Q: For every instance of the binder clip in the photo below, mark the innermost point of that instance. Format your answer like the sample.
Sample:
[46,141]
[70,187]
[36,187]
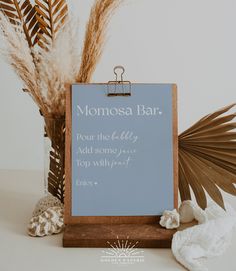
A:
[119,87]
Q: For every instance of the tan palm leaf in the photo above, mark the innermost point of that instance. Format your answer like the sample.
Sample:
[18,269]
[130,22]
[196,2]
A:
[51,16]
[207,158]
[22,13]
[55,130]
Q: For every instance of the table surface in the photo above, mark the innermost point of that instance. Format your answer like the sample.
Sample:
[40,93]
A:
[19,192]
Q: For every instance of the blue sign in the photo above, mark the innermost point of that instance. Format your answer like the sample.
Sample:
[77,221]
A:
[122,151]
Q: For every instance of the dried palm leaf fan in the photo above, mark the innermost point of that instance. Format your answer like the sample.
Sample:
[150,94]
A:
[207,158]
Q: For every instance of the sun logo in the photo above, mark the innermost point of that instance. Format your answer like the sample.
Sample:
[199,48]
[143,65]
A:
[122,252]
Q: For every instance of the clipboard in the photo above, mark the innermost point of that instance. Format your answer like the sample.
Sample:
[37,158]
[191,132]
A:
[91,221]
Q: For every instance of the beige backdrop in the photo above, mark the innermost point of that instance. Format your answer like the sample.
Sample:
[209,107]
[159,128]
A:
[188,42]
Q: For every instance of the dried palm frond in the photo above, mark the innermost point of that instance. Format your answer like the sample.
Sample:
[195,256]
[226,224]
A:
[22,14]
[51,16]
[94,37]
[207,158]
[55,129]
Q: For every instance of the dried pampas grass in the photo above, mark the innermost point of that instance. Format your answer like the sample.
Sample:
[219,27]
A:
[41,46]
[20,56]
[94,38]
[57,68]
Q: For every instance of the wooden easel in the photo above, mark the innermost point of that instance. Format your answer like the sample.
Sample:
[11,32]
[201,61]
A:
[97,231]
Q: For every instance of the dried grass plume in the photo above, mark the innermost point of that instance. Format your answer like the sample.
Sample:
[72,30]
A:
[95,37]
[41,46]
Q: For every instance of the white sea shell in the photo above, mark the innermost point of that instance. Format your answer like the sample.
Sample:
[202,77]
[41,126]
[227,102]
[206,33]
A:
[189,211]
[186,212]
[47,217]
[46,202]
[170,219]
[49,222]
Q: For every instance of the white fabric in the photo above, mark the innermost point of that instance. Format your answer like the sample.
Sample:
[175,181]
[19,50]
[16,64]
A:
[208,239]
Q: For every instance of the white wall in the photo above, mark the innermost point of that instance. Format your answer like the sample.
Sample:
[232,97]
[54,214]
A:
[189,42]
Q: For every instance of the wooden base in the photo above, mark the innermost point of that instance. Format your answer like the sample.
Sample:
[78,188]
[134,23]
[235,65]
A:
[100,235]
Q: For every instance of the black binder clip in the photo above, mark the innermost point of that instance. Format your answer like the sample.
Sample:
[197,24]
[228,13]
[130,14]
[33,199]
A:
[119,87]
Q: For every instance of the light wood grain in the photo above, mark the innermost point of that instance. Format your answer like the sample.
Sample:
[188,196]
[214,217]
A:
[98,235]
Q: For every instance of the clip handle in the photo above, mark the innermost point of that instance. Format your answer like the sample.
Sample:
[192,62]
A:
[115,70]
[119,82]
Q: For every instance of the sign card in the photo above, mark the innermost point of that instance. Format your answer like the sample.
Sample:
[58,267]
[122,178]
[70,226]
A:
[122,151]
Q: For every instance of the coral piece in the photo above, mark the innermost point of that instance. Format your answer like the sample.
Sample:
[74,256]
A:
[170,219]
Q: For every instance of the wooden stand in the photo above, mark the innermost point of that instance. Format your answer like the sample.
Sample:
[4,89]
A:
[98,231]
[100,235]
